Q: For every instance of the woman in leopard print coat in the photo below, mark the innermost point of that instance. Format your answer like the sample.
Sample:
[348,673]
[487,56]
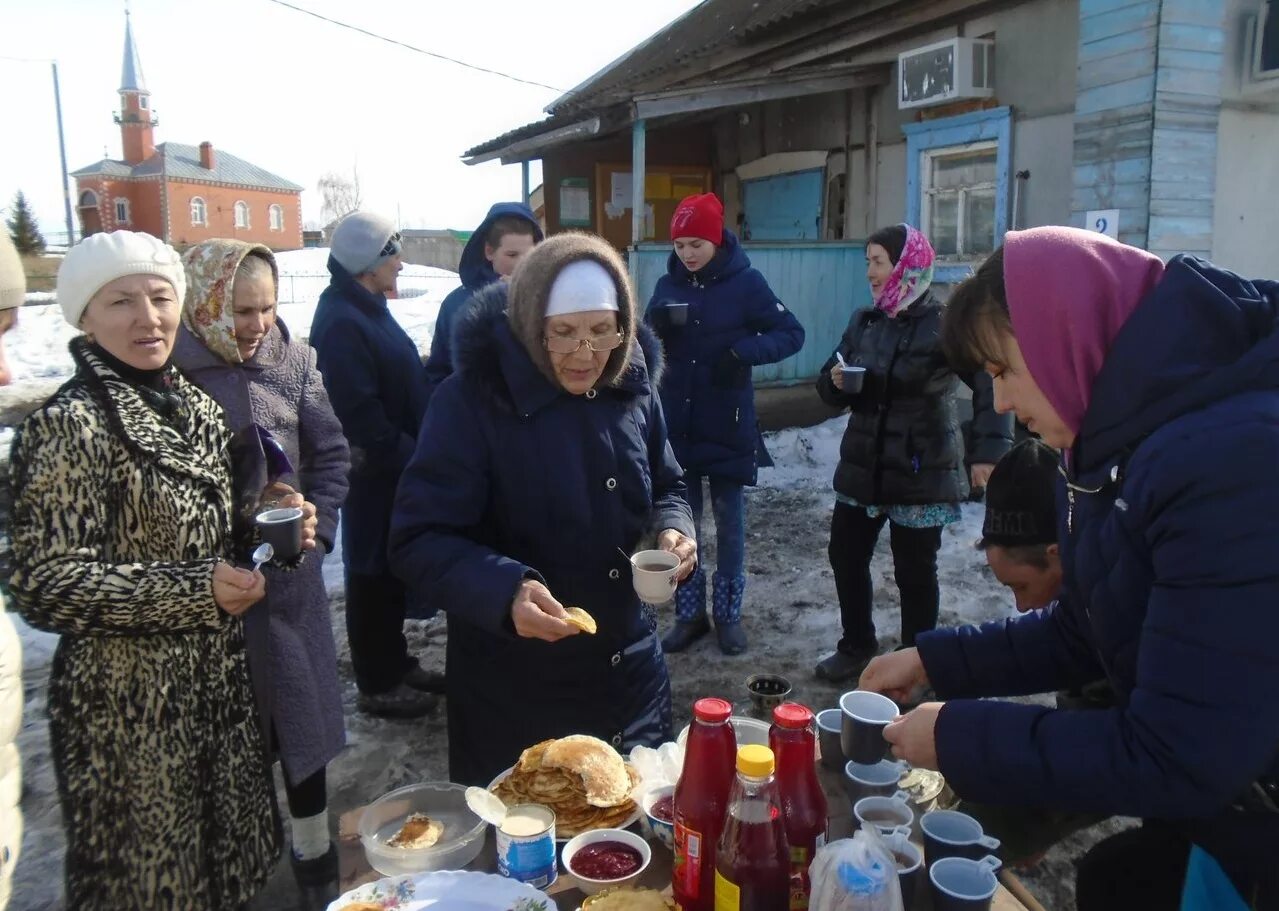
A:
[121,524]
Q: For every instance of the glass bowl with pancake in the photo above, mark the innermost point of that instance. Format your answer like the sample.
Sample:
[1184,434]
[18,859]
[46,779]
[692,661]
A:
[420,828]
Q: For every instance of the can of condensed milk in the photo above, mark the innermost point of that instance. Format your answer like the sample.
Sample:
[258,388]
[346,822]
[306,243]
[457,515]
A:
[526,845]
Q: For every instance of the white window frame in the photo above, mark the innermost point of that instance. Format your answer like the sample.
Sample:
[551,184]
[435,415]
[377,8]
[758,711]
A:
[275,217]
[927,193]
[142,102]
[241,206]
[121,203]
[199,211]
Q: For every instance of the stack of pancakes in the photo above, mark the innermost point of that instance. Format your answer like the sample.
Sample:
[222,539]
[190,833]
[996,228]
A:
[581,778]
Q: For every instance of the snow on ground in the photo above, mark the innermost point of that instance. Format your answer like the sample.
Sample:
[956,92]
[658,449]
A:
[37,347]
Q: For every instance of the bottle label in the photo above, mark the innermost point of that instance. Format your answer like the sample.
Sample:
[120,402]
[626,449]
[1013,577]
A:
[800,887]
[687,869]
[728,896]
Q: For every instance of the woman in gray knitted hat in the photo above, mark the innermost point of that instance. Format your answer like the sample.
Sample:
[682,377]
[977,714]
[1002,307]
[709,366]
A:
[540,462]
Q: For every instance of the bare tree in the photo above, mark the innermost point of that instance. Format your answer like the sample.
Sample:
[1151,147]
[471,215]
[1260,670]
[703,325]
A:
[340,195]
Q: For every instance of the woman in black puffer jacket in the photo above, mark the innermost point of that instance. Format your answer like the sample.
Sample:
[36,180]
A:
[902,457]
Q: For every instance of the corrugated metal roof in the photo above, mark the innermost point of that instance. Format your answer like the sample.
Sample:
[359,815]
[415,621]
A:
[527,131]
[178,161]
[182,162]
[107,167]
[707,28]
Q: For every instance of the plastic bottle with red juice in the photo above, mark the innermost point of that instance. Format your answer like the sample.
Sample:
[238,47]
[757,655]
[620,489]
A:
[752,863]
[701,802]
[793,740]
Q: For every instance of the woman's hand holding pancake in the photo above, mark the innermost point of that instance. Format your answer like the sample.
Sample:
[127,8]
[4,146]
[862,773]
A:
[537,615]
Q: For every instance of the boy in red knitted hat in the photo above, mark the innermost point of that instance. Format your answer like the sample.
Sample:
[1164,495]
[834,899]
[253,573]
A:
[717,319]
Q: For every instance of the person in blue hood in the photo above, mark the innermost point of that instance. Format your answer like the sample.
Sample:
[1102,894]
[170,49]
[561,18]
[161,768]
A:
[505,237]
[541,458]
[373,375]
[717,319]
[1161,383]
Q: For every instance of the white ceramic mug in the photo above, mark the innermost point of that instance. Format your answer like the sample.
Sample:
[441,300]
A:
[653,575]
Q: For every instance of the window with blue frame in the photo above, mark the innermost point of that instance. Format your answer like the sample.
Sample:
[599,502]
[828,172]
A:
[958,174]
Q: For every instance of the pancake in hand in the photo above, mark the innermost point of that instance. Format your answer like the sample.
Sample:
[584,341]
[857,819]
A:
[581,619]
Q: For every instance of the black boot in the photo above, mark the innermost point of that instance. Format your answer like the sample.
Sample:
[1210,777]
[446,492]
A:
[317,879]
[843,666]
[684,633]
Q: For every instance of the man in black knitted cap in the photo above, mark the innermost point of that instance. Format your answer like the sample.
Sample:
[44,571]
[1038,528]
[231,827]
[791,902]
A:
[1019,534]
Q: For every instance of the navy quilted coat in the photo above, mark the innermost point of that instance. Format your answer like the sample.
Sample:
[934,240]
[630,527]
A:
[515,479]
[1171,591]
[730,307]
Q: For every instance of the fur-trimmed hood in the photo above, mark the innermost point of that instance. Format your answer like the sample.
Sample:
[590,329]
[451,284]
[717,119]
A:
[531,288]
[487,353]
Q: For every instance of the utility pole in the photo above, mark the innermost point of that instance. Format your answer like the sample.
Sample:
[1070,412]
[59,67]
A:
[62,153]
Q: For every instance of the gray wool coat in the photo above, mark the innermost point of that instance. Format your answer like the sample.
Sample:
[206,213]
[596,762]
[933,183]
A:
[292,656]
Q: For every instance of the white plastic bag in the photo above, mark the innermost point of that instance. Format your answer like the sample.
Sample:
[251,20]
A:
[855,874]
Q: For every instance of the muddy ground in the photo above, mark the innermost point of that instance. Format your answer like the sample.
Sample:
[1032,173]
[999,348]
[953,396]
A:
[790,616]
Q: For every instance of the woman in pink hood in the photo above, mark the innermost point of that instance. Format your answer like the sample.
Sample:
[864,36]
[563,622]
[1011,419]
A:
[1161,386]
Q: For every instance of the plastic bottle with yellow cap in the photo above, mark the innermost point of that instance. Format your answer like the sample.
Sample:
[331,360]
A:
[752,861]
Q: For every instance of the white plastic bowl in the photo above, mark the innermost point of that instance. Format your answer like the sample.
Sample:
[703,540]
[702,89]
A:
[654,828]
[630,839]
[444,801]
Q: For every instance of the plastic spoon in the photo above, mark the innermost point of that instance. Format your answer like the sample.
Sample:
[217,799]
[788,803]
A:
[264,553]
[486,805]
[842,363]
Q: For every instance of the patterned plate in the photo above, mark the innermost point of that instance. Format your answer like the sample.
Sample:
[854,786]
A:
[448,890]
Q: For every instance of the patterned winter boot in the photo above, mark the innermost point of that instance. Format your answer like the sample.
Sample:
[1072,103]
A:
[690,614]
[726,606]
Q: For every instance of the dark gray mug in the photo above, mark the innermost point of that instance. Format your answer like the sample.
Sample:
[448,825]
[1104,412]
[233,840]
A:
[960,884]
[876,780]
[910,865]
[949,833]
[866,715]
[829,724]
[282,529]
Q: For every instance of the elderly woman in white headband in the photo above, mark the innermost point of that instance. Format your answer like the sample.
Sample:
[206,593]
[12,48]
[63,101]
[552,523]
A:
[540,462]
[122,544]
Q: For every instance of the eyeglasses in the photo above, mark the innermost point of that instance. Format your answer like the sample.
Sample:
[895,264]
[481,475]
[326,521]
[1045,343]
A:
[561,344]
[392,246]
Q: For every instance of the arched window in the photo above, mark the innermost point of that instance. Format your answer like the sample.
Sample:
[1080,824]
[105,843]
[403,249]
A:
[241,214]
[88,200]
[199,213]
[121,210]
[276,214]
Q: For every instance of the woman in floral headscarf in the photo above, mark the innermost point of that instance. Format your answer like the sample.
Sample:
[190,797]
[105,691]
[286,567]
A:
[902,457]
[289,444]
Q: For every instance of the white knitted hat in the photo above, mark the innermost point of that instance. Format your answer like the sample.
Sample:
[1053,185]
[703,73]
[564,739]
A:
[582,286]
[13,281]
[102,258]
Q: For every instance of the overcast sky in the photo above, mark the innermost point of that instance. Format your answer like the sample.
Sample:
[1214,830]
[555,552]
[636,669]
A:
[299,97]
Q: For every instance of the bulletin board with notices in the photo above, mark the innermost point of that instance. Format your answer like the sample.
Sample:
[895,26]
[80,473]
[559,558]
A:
[664,187]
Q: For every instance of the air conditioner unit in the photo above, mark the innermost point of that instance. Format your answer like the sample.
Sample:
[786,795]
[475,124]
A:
[1261,50]
[946,71]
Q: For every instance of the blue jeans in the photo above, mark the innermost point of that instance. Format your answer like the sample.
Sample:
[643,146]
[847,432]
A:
[728,503]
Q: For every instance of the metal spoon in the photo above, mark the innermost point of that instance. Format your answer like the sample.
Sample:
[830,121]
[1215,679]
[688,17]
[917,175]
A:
[264,553]
[629,559]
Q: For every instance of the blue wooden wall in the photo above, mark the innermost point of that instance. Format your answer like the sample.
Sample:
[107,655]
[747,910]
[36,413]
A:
[822,283]
[1146,110]
[784,207]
